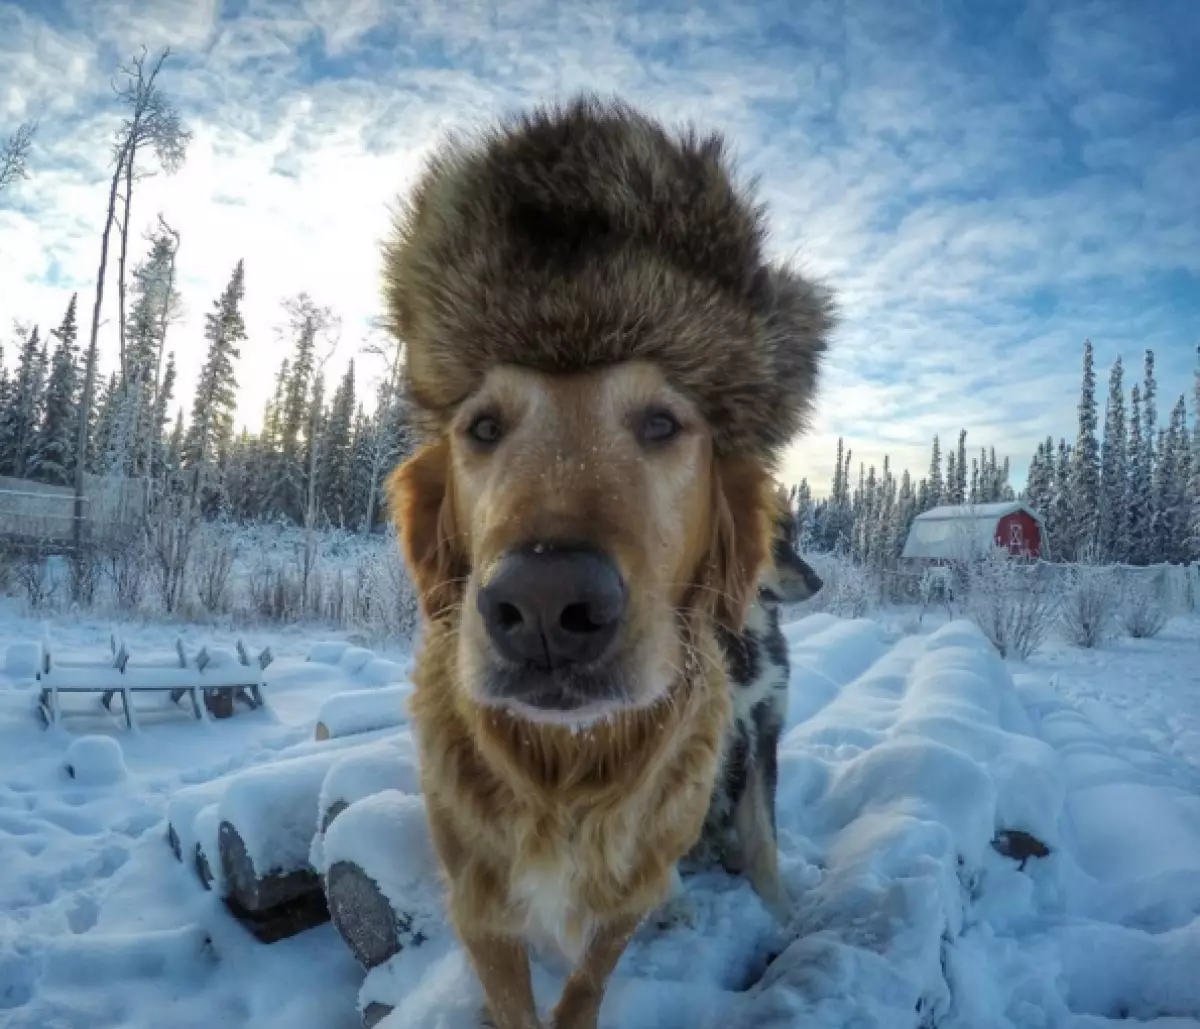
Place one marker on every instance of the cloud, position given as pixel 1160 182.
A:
pixel 984 188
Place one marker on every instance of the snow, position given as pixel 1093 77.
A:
pixel 904 755
pixel 95 761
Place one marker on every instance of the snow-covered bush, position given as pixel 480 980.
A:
pixel 1090 602
pixel 850 590
pixel 126 565
pixel 214 553
pixel 1011 601
pixel 35 577
pixel 170 532
pixel 391 610
pixel 1144 609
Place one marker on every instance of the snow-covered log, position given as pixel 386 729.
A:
pixel 182 810
pixel 356 711
pixel 204 850
pixel 388 765
pixel 268 817
pixel 382 883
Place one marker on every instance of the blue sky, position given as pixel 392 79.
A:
pixel 985 184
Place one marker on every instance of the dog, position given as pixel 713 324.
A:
pixel 604 370
pixel 739 830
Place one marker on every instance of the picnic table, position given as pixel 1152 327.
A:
pixel 212 686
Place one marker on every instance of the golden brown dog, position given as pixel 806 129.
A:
pixel 605 369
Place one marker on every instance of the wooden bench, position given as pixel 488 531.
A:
pixel 210 687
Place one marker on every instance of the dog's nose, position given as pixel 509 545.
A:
pixel 553 607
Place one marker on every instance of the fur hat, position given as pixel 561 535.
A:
pixel 584 235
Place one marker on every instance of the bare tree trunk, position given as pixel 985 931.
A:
pixel 130 157
pixel 89 377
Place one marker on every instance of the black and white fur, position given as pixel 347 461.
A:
pixel 740 829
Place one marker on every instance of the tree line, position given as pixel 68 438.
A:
pixel 318 460
pixel 1129 494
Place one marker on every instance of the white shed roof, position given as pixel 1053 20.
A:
pixel 959 531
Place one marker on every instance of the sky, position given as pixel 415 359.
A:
pixel 984 185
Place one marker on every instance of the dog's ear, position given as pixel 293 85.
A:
pixel 422 508
pixel 743 508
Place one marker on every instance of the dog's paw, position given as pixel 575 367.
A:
pixel 678 912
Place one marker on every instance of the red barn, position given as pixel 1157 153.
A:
pixel 959 532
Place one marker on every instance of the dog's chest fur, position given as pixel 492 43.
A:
pixel 550 908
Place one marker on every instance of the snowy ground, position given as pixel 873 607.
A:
pixel 905 755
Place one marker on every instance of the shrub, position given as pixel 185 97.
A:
pixel 1012 602
pixel 1143 606
pixel 1090 602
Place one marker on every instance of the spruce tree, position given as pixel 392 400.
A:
pixel 1114 473
pixel 1169 527
pixel 20 420
pixel 1194 545
pixel 1138 509
pixel 294 415
pixel 160 418
pixel 211 429
pixel 1085 466
pixel 952 478
pixel 364 465
pixel 1059 523
pixel 936 489
pixel 53 457
pixel 337 499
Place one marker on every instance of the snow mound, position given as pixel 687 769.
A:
pixel 23 660
pixel 327 652
pixel 96 761
pixel 380 671
pixel 354 659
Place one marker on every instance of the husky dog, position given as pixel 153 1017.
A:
pixel 739 832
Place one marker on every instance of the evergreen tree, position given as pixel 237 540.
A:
pixel 364 465
pixel 960 482
pixel 1085 467
pixel 53 457
pixel 211 430
pixel 20 419
pixel 1194 546
pixel 1039 487
pixel 1138 507
pixel 952 478
pixel 314 451
pixel 936 489
pixel 337 499
pixel 1169 528
pixel 1114 473
pixel 288 487
pixel 155 302
pixel 160 466
pixel 1059 522
pixel 903 514
pixel 103 421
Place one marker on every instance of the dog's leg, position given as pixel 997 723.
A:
pixel 502 965
pixel 678 909
pixel 579 1005
pixel 754 823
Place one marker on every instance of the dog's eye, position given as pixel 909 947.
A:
pixel 485 430
pixel 658 426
